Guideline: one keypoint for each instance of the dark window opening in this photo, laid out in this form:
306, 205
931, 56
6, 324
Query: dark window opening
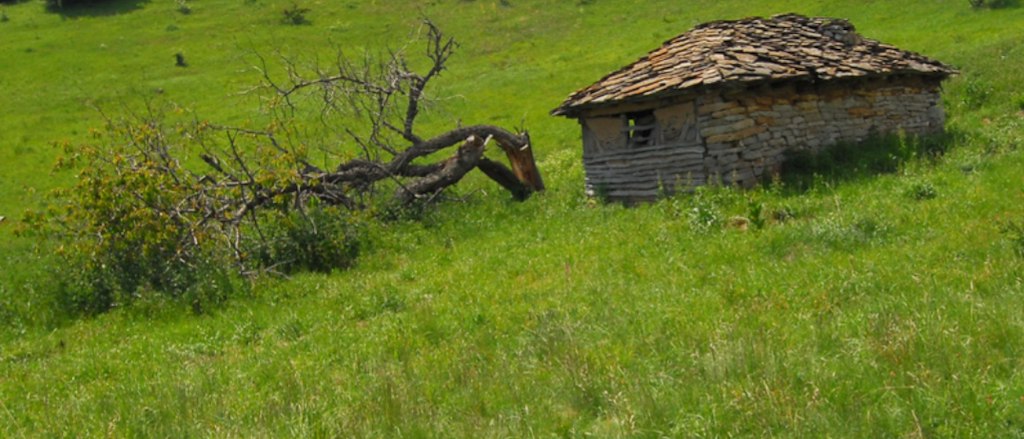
640, 128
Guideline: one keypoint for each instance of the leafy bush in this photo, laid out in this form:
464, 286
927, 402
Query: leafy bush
112, 244
321, 239
295, 15
88, 286
133, 225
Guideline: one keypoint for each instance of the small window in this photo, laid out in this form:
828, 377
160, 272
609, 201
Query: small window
640, 128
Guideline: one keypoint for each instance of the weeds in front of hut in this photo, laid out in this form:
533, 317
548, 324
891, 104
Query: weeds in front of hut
1013, 231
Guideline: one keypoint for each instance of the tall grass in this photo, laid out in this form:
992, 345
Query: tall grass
871, 295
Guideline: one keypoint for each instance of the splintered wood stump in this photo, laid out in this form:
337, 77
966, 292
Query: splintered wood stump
524, 166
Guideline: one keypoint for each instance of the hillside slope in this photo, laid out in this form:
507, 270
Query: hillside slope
871, 304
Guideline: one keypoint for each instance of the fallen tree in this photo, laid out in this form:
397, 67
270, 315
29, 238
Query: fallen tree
389, 97
154, 200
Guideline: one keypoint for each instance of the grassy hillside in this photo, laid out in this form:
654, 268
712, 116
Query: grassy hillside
872, 304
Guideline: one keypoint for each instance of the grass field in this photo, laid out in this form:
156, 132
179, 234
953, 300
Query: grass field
868, 305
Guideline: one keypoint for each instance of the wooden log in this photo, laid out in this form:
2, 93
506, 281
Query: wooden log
644, 161
647, 195
674, 148
639, 173
650, 175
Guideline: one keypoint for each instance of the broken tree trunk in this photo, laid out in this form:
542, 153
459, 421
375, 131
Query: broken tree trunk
521, 180
505, 177
523, 164
447, 173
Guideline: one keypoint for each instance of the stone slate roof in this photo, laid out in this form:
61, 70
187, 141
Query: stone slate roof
722, 53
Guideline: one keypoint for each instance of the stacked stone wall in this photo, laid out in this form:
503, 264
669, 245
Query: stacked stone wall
746, 134
741, 137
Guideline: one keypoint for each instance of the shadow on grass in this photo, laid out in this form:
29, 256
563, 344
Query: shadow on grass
845, 162
93, 8
994, 4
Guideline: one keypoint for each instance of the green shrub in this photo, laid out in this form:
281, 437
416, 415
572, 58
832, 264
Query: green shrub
976, 93
756, 214
92, 286
704, 212
295, 15
135, 224
922, 190
321, 239
1014, 233
112, 245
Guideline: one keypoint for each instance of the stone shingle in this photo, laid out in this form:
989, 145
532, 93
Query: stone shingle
752, 50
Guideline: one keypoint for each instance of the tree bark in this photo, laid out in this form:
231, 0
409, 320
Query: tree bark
450, 172
506, 178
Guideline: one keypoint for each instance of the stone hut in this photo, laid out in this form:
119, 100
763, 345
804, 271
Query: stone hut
723, 102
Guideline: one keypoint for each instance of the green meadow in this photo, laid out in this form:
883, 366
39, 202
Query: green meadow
878, 294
